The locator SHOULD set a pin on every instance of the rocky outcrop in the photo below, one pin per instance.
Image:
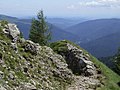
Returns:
(29, 46)
(81, 65)
(12, 31)
(77, 60)
(26, 65)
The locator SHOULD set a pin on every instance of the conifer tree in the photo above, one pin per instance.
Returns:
(39, 32)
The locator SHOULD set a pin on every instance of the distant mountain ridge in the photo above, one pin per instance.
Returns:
(94, 29)
(104, 46)
(24, 26)
(60, 34)
(2, 17)
(100, 37)
(64, 23)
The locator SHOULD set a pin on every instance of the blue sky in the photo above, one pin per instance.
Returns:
(61, 8)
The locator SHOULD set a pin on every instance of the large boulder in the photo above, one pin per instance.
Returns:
(77, 61)
(12, 31)
(32, 47)
(27, 86)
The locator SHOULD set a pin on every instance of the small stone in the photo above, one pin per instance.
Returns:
(28, 86)
(2, 88)
(11, 76)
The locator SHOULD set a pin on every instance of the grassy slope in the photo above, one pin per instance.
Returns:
(111, 79)
(39, 67)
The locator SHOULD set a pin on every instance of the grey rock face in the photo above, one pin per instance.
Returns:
(32, 47)
(27, 86)
(86, 74)
(61, 69)
(78, 61)
(2, 88)
(12, 31)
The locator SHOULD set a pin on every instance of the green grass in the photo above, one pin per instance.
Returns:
(111, 77)
(59, 46)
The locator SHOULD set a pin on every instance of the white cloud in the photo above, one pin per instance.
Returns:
(90, 3)
(108, 0)
(71, 7)
(97, 3)
(116, 2)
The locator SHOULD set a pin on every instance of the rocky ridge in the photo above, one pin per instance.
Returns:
(28, 66)
(86, 72)
(25, 65)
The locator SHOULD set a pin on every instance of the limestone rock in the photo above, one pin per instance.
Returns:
(27, 86)
(61, 67)
(77, 61)
(2, 88)
(81, 65)
(31, 47)
(12, 31)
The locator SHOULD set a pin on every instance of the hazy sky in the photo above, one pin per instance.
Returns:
(61, 8)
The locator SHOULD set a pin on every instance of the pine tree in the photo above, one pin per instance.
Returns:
(39, 32)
